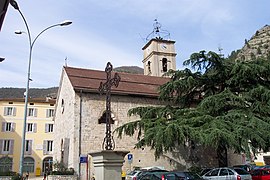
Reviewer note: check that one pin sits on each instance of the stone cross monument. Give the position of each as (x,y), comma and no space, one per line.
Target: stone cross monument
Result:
(108,162)
(108,142)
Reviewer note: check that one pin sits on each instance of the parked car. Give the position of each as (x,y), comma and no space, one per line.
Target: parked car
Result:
(151,171)
(225,173)
(159,175)
(246,167)
(132,175)
(261,174)
(186,175)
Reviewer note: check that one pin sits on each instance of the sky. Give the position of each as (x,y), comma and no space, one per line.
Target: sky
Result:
(115,31)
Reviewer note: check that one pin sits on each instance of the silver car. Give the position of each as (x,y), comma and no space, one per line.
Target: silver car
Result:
(226,173)
(133,175)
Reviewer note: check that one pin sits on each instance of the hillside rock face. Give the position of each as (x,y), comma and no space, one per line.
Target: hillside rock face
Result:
(33,92)
(129,69)
(257,46)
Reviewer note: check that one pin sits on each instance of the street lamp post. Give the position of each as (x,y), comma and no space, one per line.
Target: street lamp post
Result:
(31,44)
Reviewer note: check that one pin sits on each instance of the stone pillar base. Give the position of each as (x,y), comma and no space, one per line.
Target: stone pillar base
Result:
(108,164)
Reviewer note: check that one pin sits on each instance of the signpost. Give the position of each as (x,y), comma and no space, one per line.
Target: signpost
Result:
(84,159)
(130,160)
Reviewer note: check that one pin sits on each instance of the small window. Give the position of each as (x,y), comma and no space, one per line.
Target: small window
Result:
(50,113)
(164,65)
(10,102)
(149,67)
(49,146)
(8,126)
(32,104)
(28,147)
(6,146)
(9,111)
(31,127)
(48,128)
(32,112)
(62,106)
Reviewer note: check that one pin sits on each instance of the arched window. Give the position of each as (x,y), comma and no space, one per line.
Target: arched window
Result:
(28,164)
(6,164)
(149,66)
(47,165)
(102,119)
(164,64)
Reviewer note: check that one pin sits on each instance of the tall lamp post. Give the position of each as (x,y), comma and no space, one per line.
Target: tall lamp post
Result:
(31,44)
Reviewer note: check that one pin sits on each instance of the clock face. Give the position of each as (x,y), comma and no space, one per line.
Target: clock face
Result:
(163,46)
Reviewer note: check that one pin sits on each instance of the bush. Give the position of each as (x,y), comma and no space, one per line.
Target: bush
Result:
(195,169)
(60,169)
(8,173)
(16,176)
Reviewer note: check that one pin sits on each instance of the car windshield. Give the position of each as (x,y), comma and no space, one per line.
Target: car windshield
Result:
(132,173)
(241,171)
(192,175)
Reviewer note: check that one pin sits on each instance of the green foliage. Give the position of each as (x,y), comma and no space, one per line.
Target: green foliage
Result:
(61,169)
(195,169)
(222,103)
(14,175)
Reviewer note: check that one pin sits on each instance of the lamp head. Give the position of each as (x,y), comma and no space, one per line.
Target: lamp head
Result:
(18,32)
(2,59)
(66,23)
(14,4)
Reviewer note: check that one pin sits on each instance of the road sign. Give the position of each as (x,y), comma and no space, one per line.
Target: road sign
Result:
(83,159)
(130,158)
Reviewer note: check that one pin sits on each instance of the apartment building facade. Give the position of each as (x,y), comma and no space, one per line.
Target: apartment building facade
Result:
(38,139)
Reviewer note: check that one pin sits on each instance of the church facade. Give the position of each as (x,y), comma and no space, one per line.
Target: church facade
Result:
(79,115)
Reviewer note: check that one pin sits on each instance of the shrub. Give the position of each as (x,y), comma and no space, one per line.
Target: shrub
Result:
(61,169)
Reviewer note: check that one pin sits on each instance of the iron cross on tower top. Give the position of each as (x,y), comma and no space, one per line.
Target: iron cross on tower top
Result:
(108,142)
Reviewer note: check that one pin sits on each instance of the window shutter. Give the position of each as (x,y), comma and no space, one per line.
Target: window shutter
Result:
(29,152)
(35,112)
(14,111)
(35,127)
(3,126)
(46,128)
(11,147)
(13,127)
(47,113)
(45,147)
(5,111)
(1,146)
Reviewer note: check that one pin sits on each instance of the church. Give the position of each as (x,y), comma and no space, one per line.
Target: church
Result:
(79,115)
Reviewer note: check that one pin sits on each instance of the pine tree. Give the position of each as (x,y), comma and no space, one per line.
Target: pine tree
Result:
(222,103)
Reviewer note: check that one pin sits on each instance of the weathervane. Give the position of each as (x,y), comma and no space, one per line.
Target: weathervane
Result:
(157,32)
(108,142)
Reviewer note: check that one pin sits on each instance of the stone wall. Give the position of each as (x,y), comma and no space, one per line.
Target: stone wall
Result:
(64,123)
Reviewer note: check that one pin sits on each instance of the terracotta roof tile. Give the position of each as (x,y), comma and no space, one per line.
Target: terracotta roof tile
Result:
(131,84)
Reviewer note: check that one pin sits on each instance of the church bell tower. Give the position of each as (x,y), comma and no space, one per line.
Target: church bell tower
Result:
(159,52)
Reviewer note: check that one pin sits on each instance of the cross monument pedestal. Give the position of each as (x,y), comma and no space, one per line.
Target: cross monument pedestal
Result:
(108,164)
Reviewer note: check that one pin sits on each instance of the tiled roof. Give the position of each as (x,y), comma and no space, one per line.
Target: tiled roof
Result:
(130,84)
(30,100)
